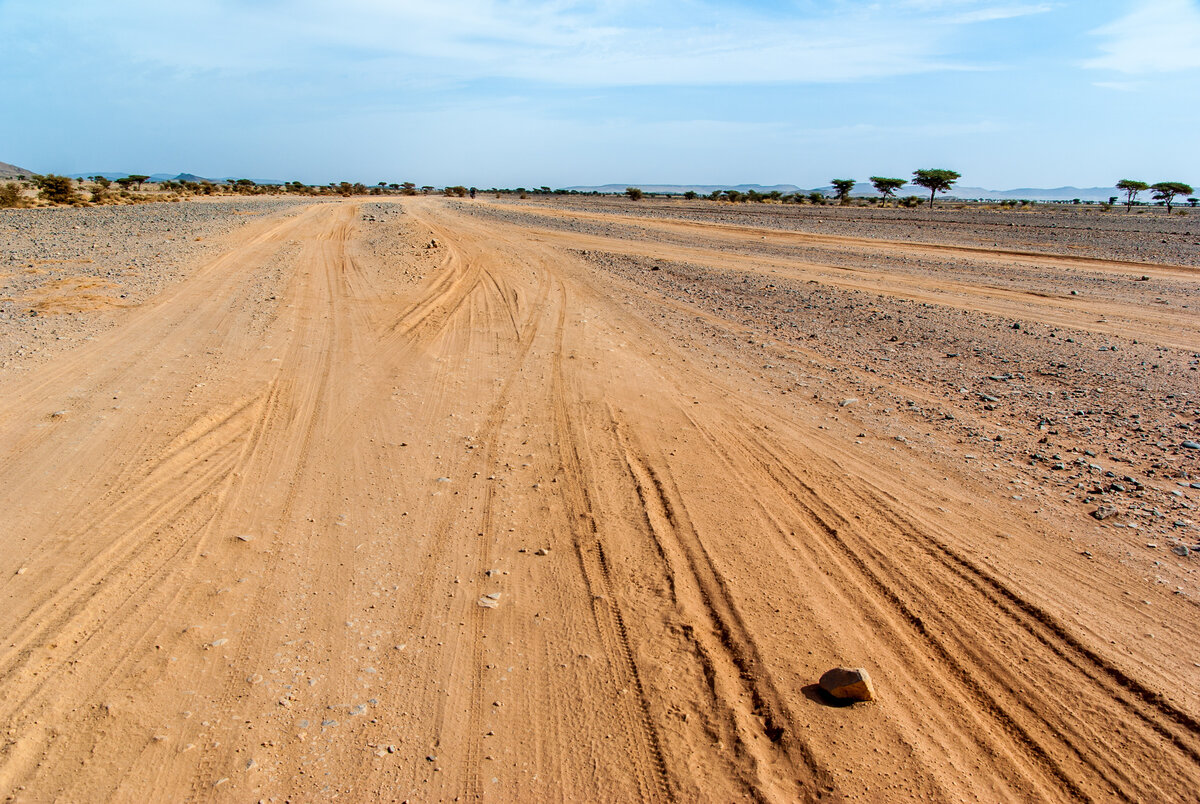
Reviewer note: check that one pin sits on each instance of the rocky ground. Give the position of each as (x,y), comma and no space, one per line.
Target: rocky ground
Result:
(1096,421)
(1143,234)
(430,499)
(65,271)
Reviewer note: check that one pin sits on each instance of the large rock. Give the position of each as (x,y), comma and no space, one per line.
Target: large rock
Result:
(848,684)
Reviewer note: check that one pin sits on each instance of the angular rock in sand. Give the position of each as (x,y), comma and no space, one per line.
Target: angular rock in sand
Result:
(848,683)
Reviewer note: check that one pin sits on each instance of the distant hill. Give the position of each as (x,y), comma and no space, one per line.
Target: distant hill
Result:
(8,171)
(161,177)
(864,189)
(680,189)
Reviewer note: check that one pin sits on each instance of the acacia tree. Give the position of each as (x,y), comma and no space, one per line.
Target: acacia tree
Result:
(935,180)
(1131,188)
(842,189)
(887,187)
(1167,190)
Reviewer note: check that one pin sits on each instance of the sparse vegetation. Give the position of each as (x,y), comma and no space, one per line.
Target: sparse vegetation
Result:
(55,189)
(1131,188)
(690,195)
(100,191)
(935,180)
(10,195)
(842,188)
(1166,191)
(634,193)
(887,187)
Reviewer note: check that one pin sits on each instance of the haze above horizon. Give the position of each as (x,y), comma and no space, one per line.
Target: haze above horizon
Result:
(486,92)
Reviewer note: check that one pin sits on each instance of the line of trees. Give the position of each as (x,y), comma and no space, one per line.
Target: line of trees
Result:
(1164,191)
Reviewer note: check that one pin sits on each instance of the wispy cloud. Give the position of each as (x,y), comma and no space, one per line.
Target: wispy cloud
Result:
(613,43)
(1158,36)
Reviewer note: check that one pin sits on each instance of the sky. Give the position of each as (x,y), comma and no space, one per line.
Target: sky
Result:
(507,93)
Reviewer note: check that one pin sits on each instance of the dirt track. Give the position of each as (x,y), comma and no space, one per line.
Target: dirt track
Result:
(249,533)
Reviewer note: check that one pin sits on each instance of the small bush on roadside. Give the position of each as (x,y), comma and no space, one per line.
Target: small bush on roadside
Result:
(10,195)
(55,189)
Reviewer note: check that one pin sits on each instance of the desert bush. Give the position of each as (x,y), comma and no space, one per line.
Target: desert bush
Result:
(911,201)
(55,189)
(100,191)
(10,195)
(690,195)
(634,193)
(816,197)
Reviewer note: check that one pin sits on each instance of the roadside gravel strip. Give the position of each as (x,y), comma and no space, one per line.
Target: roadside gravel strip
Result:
(1143,235)
(63,272)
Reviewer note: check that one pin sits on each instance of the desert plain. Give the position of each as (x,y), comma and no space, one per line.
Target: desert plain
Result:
(576,499)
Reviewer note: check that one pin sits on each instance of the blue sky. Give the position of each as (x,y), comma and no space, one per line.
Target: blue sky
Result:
(514,92)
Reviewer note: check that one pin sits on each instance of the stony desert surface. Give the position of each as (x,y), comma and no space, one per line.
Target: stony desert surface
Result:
(577,499)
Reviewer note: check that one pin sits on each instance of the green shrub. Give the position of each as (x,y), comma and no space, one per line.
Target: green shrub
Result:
(634,193)
(55,189)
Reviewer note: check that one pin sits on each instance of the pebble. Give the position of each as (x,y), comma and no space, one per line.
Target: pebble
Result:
(542,551)
(1104,512)
(1190,445)
(1181,550)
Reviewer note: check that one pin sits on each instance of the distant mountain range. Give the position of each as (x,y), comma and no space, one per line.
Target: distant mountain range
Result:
(8,171)
(161,177)
(864,189)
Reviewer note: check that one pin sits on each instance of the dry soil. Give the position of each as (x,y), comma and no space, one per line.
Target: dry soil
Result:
(436,500)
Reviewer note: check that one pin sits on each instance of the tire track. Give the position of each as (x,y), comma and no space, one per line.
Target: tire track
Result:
(647,758)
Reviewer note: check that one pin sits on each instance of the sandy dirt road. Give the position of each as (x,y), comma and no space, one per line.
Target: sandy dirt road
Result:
(463,523)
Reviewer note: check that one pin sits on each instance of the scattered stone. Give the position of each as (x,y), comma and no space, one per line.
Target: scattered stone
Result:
(1190,445)
(254,679)
(542,551)
(490,600)
(847,402)
(1181,550)
(847,683)
(244,537)
(1104,512)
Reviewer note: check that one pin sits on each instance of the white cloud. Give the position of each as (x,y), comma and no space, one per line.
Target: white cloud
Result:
(1157,36)
(613,42)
